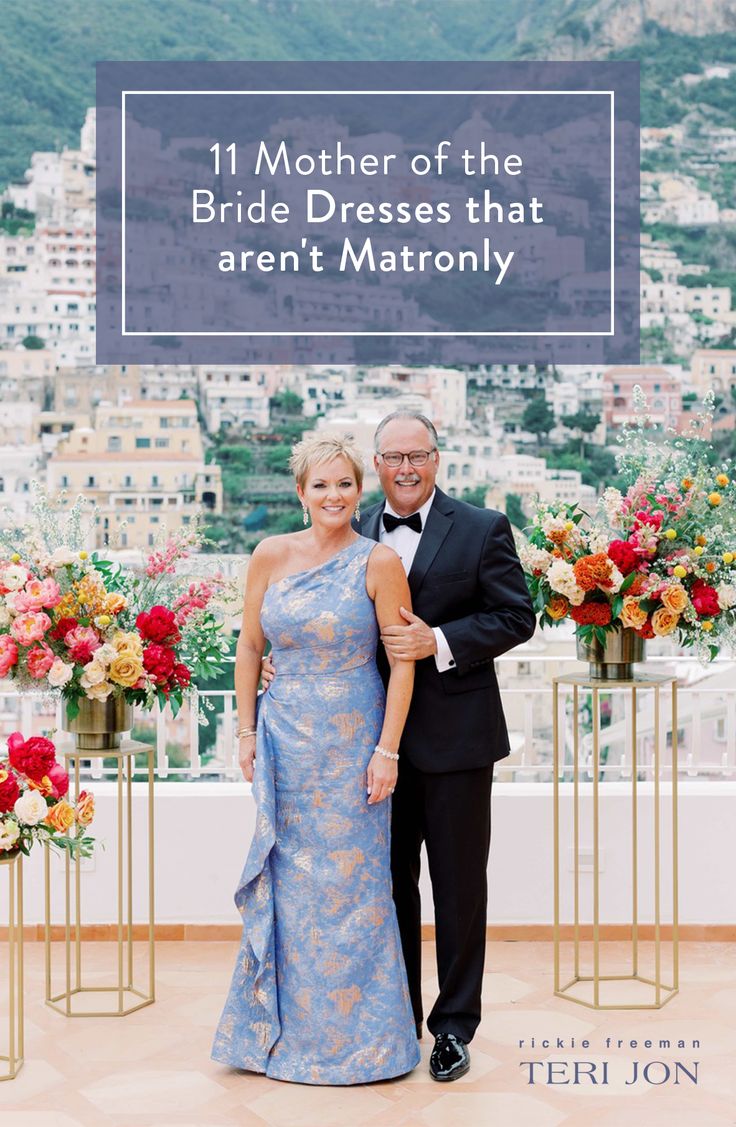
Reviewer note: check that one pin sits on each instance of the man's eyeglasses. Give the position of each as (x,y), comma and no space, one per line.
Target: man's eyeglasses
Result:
(393,458)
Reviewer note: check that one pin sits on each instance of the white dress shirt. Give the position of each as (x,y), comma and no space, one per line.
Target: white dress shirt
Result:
(405,542)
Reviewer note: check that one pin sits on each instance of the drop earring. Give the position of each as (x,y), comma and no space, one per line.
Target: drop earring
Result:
(305,510)
(357,512)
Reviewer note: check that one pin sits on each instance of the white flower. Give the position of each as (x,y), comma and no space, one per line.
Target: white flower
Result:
(13,577)
(598,540)
(30,808)
(561,579)
(105,654)
(5,615)
(726,596)
(552,523)
(616,580)
(100,691)
(93,674)
(534,559)
(60,558)
(611,503)
(59,674)
(9,833)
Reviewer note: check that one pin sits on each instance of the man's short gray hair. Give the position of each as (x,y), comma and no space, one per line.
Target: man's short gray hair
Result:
(406,413)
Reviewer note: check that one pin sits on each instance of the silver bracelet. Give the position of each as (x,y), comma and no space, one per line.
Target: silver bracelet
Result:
(387,754)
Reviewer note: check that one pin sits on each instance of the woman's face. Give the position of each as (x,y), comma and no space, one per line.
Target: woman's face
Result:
(331,493)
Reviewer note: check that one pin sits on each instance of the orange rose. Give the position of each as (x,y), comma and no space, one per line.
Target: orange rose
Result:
(85,810)
(115,602)
(557,607)
(664,621)
(632,614)
(675,598)
(61,816)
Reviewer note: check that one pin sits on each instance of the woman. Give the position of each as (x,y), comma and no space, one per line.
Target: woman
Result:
(319,992)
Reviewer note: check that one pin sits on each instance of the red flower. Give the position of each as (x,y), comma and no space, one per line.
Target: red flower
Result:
(158,625)
(182,675)
(159,662)
(646,631)
(704,599)
(33,757)
(62,628)
(59,780)
(623,555)
(597,614)
(9,790)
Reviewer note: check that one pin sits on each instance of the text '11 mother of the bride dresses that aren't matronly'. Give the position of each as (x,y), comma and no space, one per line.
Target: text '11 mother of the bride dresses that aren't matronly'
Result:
(319,992)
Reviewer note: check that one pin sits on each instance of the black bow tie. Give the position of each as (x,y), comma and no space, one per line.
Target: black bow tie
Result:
(391,522)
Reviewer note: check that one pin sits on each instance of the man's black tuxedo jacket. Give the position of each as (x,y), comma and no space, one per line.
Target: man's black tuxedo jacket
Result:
(467,579)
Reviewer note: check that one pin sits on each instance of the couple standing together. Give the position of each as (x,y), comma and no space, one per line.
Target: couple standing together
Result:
(384,687)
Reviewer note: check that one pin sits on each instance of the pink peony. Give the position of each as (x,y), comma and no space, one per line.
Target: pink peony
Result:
(705,599)
(36,595)
(39,660)
(30,628)
(8,654)
(82,642)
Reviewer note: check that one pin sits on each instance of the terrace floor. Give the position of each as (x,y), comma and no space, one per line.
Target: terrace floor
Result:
(152,1068)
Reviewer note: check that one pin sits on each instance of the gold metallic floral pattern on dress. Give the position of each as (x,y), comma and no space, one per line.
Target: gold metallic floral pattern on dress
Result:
(319,992)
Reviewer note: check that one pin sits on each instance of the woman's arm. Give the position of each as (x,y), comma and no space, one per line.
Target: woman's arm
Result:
(248,653)
(387,585)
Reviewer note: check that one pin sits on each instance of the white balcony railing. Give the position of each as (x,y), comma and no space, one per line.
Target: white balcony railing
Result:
(706,725)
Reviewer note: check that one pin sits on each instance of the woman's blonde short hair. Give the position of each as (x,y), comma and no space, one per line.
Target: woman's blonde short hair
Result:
(317,448)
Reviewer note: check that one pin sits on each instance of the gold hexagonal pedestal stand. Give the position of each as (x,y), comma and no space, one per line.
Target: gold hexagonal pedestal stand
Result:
(84,995)
(647,844)
(11,1061)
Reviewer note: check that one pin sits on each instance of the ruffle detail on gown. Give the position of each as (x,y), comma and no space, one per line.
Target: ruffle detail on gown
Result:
(250,1024)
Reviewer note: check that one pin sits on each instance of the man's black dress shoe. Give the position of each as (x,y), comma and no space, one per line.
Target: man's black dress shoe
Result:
(420,1030)
(450,1058)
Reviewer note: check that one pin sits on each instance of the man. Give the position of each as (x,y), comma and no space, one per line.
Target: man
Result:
(470,604)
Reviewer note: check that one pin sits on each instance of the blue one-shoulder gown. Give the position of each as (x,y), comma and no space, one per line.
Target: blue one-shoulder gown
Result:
(319,993)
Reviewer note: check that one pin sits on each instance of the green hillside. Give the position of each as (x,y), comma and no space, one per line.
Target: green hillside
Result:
(49,48)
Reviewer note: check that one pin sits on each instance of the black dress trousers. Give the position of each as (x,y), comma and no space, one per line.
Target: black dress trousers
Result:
(451,813)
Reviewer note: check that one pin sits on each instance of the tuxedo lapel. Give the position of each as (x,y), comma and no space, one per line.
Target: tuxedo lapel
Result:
(439,523)
(371,526)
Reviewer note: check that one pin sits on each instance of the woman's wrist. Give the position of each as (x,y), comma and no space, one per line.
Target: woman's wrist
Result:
(386,752)
(246,730)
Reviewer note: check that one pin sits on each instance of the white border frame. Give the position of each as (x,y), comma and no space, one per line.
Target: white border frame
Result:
(307,333)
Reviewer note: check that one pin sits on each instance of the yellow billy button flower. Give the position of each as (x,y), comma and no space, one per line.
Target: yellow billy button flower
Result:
(722,480)
(728,557)
(707,625)
(15,558)
(83,555)
(103,620)
(569,525)
(714,499)
(679,571)
(671,534)
(699,550)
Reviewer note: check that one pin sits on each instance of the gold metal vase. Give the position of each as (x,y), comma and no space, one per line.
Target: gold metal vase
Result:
(99,724)
(613,660)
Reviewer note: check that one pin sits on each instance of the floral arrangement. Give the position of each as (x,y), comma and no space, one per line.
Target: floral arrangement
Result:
(33,802)
(658,557)
(89,627)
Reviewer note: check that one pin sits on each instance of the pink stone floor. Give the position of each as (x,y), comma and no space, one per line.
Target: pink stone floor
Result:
(152,1068)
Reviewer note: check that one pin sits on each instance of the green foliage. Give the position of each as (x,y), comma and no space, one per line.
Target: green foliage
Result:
(515,512)
(288,402)
(277,458)
(33,343)
(538,416)
(476,496)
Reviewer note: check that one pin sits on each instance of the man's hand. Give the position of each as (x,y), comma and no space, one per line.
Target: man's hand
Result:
(411,642)
(268,671)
